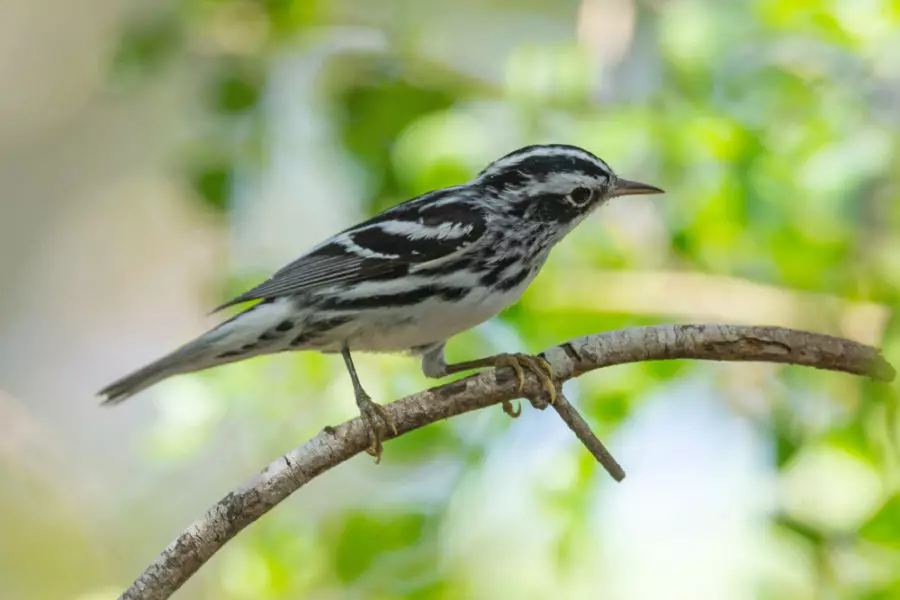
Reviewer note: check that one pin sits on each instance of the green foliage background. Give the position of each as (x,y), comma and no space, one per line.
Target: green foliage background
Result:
(772,125)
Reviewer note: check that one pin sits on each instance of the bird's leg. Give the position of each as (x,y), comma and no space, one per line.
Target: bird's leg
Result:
(375,416)
(434,365)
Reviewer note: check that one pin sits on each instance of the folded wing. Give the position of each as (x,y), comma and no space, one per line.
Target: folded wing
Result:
(411,234)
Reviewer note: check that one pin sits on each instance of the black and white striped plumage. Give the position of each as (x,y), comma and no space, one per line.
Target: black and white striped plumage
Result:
(414,275)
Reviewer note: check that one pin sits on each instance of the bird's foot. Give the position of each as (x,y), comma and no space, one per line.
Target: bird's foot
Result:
(537,365)
(377,420)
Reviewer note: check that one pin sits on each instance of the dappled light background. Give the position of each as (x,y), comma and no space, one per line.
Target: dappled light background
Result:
(158,158)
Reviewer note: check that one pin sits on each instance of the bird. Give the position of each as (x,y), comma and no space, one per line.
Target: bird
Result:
(411,277)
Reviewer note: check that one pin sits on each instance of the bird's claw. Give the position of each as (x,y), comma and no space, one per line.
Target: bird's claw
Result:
(537,365)
(377,420)
(509,410)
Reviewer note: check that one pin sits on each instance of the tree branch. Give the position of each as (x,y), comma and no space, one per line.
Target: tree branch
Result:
(241,507)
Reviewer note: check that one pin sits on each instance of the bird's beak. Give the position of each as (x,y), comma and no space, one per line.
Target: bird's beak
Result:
(625,187)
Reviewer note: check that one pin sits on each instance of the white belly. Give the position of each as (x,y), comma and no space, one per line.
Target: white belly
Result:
(428,322)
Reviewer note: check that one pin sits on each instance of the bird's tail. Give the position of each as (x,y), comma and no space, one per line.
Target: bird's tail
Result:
(193,356)
(236,339)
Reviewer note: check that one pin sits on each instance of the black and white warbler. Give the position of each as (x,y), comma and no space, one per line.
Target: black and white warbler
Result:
(413,276)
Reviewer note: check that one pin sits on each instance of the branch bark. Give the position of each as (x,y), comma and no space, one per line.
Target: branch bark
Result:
(244,505)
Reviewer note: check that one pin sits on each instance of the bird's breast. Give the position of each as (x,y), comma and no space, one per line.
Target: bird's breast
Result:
(433,319)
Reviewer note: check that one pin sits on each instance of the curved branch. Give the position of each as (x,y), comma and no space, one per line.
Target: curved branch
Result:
(241,507)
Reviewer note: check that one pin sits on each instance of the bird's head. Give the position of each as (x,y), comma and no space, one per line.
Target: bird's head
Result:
(554,184)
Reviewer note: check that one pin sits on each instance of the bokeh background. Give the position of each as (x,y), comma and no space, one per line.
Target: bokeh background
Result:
(158,157)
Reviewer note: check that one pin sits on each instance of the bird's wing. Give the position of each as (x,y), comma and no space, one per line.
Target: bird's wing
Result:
(388,245)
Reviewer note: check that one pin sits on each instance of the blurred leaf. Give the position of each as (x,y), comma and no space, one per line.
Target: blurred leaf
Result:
(238,90)
(807,533)
(212,183)
(417,447)
(610,408)
(147,45)
(375,104)
(854,439)
(364,537)
(890,592)
(289,16)
(884,527)
(786,448)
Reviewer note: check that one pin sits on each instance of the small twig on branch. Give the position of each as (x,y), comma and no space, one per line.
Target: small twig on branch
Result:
(579,426)
(241,507)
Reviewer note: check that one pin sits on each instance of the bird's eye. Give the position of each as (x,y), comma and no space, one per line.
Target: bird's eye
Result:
(580,196)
